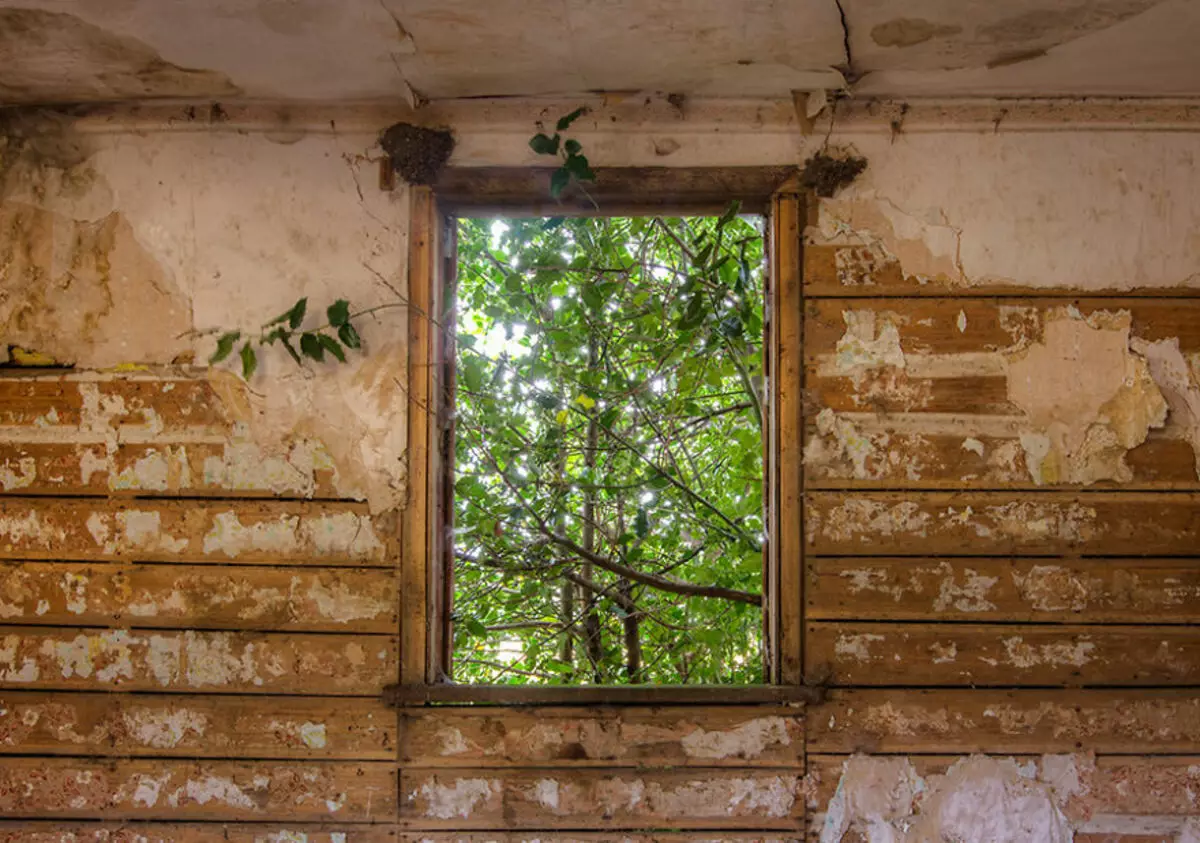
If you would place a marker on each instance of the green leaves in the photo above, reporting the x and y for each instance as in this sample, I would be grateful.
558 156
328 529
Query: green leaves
349 336
293 316
224 345
559 180
249 362
338 313
575 165
566 120
311 347
544 145
282 330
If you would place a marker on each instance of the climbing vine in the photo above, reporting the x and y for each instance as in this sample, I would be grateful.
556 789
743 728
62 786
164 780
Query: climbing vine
336 336
575 165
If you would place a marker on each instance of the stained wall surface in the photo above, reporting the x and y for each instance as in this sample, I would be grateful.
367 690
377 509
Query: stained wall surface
198 593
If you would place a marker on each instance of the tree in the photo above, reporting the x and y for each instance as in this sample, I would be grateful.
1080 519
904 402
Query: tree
608 492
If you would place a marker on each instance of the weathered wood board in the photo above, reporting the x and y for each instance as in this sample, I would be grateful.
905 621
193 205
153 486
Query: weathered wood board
911 654
867 270
221 468
209 790
997 523
1109 721
1004 589
250 663
600 837
984 393
600 799
324 533
199 597
197 725
1160 786
144 434
56 831
92 401
689 736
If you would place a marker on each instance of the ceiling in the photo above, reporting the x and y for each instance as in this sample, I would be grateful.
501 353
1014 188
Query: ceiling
54 51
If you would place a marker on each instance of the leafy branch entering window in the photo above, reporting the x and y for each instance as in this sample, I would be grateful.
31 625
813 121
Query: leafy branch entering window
608 470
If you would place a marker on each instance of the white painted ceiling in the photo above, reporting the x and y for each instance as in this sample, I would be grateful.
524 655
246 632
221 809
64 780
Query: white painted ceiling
323 50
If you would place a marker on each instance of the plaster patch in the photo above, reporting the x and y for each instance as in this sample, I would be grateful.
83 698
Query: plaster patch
1087 396
857 647
925 248
747 740
978 800
971 595
1179 380
447 802
164 729
1024 655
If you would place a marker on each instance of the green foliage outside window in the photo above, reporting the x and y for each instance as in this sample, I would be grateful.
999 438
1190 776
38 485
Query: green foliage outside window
608 471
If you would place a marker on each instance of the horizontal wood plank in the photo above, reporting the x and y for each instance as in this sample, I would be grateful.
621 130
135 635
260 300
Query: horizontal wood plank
202 726
996 523
192 531
868 270
1109 787
1004 589
418 696
904 654
525 191
593 837
256 663
600 799
1111 721
885 455
147 433
56 831
989 326
199 597
224 467
920 393
582 737
208 790
135 404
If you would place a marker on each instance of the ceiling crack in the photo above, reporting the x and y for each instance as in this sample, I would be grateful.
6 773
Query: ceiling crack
851 75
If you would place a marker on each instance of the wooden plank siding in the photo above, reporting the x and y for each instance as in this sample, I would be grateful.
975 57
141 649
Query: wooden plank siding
165 434
998 523
1116 800
903 654
195 726
974 586
931 407
57 831
1004 589
1000 722
629 736
200 597
601 799
57 658
247 633
278 532
158 789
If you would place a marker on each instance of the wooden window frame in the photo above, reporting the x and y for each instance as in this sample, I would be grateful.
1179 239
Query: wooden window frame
426 563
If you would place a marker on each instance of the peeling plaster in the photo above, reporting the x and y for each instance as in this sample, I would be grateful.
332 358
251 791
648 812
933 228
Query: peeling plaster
98 237
447 802
1093 398
978 800
747 740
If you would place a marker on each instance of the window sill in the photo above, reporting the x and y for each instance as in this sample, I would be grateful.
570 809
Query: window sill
409 696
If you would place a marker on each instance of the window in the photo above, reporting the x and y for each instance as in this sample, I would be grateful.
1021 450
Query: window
608 507
591 419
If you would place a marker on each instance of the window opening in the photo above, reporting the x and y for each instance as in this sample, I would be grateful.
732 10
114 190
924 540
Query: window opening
608 451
